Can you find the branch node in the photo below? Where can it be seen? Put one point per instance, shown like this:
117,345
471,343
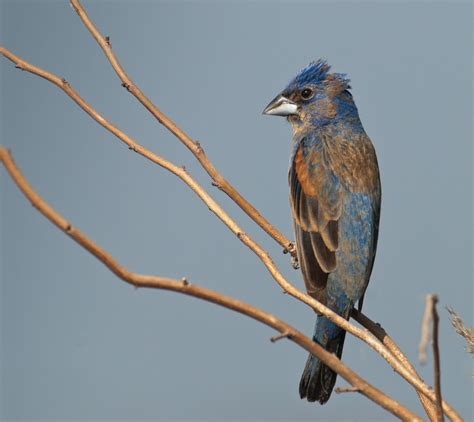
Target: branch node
64,81
185,281
132,148
107,40
216,184
285,334
198,146
126,86
241,235
68,228
19,66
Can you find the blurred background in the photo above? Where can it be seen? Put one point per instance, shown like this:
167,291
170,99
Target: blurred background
77,343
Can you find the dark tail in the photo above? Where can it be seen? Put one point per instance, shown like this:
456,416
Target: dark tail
318,380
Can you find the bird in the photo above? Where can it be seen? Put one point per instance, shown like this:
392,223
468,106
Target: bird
335,198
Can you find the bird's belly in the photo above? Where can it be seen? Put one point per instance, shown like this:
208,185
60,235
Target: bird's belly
354,257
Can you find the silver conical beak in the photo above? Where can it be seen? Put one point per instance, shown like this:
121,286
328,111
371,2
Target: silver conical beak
281,106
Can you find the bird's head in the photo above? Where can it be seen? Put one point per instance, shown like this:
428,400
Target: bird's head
314,97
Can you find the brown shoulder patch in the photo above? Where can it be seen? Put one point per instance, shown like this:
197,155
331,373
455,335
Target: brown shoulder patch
303,173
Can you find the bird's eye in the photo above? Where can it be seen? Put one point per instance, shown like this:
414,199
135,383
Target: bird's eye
307,93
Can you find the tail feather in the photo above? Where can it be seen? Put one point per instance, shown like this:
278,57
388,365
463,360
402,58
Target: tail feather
317,381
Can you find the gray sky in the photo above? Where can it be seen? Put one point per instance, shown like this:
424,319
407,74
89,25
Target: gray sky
76,343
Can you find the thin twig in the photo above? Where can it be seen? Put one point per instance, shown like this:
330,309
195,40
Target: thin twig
281,336
194,146
155,282
340,390
264,257
431,315
436,361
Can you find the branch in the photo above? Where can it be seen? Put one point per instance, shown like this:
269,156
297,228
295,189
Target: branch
437,363
193,146
215,208
429,315
184,287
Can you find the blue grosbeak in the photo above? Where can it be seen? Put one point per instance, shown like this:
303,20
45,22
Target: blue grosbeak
335,199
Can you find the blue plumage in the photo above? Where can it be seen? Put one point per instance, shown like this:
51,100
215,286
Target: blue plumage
335,199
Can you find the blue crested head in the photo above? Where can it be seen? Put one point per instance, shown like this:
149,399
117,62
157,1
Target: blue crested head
316,97
317,74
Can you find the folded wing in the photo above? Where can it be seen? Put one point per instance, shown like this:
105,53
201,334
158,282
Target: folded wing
316,201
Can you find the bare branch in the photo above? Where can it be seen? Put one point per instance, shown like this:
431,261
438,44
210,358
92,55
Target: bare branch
436,361
215,208
460,328
193,146
181,286
431,315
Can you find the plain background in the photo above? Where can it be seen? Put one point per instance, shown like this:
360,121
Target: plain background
76,343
